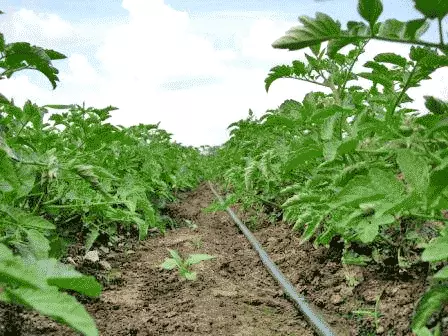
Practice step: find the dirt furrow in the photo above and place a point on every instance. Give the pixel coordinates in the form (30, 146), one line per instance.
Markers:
(233, 295)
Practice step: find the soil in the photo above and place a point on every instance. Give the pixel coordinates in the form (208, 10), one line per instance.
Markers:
(233, 294)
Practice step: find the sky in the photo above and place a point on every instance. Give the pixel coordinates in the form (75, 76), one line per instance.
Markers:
(195, 66)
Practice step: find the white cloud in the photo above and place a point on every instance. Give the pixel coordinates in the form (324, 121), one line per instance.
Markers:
(131, 63)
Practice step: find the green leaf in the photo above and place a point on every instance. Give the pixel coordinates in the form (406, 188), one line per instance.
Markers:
(367, 231)
(442, 274)
(392, 59)
(385, 182)
(280, 71)
(302, 155)
(393, 29)
(330, 126)
(60, 306)
(370, 10)
(378, 78)
(40, 246)
(331, 149)
(27, 220)
(54, 55)
(197, 258)
(438, 181)
(169, 264)
(431, 302)
(175, 255)
(315, 49)
(22, 54)
(423, 332)
(337, 44)
(310, 230)
(192, 276)
(415, 170)
(313, 31)
(415, 29)
(358, 190)
(92, 236)
(64, 276)
(437, 250)
(436, 105)
(348, 146)
(432, 9)
(14, 272)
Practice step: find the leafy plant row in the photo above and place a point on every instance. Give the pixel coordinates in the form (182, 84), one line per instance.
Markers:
(72, 176)
(354, 165)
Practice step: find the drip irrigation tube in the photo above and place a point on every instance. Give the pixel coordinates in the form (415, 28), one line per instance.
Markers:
(313, 317)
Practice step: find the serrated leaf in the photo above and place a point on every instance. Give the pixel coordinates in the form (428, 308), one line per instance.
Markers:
(337, 44)
(436, 105)
(197, 258)
(432, 8)
(311, 228)
(330, 149)
(438, 181)
(27, 220)
(55, 55)
(302, 155)
(415, 29)
(415, 170)
(431, 302)
(40, 246)
(281, 71)
(169, 264)
(370, 10)
(329, 127)
(313, 31)
(192, 276)
(64, 276)
(14, 272)
(92, 236)
(347, 146)
(392, 28)
(437, 250)
(385, 181)
(367, 231)
(20, 54)
(176, 256)
(392, 59)
(382, 79)
(60, 306)
(358, 190)
(442, 274)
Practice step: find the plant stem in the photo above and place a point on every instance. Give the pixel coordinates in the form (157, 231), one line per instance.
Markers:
(441, 31)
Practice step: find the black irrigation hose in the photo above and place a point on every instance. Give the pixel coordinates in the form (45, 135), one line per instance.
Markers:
(316, 321)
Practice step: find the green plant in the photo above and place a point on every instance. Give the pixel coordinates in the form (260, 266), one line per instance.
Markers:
(184, 266)
(353, 164)
(74, 178)
(197, 242)
(36, 284)
(190, 224)
(373, 313)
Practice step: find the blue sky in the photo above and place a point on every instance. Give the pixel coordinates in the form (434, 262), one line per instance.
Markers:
(194, 65)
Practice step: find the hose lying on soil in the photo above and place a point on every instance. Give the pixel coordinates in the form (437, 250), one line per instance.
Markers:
(315, 320)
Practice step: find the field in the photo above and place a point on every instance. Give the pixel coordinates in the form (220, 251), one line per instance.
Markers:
(112, 230)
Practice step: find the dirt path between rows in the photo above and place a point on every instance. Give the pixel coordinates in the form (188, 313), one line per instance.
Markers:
(234, 294)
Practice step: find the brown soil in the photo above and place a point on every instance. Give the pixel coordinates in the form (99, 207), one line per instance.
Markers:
(234, 294)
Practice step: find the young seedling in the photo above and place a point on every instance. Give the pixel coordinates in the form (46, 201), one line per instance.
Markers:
(183, 266)
(190, 224)
(197, 242)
